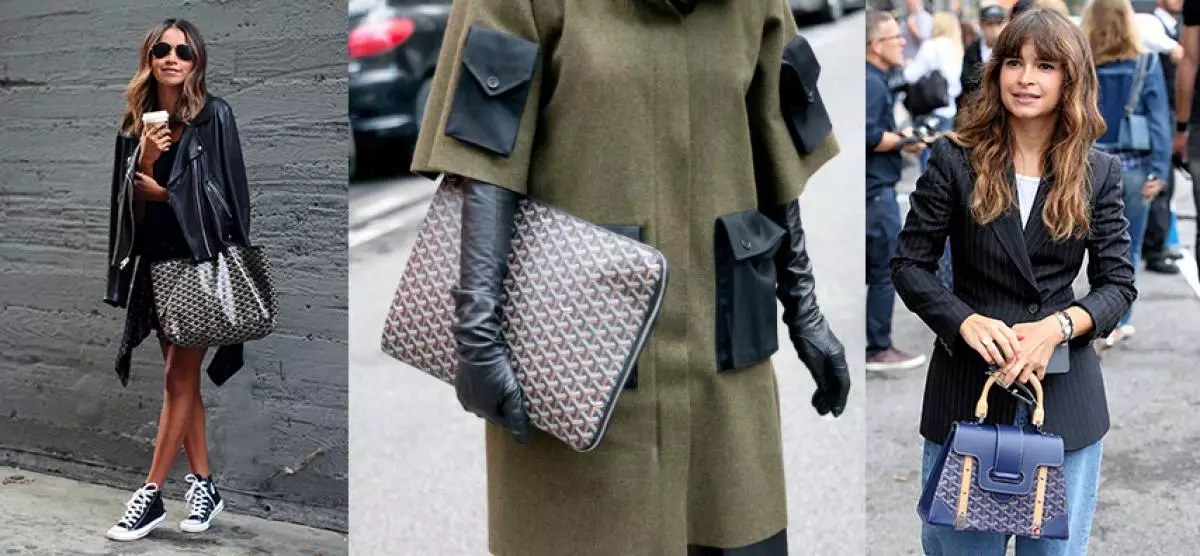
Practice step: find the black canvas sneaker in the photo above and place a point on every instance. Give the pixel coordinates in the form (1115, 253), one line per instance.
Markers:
(204, 503)
(143, 512)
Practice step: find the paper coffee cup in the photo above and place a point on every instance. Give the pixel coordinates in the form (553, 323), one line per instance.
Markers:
(151, 118)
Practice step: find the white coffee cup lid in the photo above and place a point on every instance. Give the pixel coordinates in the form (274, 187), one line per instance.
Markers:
(155, 117)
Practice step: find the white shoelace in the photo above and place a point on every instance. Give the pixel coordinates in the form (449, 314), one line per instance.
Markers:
(198, 497)
(136, 506)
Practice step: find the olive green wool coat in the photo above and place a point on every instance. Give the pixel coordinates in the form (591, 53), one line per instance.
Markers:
(622, 112)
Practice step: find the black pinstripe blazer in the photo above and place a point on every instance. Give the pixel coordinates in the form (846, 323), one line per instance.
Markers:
(1015, 275)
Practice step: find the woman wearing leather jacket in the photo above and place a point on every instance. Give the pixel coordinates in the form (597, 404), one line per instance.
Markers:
(178, 191)
(634, 115)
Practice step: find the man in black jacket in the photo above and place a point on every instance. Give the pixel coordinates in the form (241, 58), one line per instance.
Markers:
(992, 19)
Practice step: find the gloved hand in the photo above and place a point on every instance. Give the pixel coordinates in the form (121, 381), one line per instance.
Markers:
(485, 382)
(814, 341)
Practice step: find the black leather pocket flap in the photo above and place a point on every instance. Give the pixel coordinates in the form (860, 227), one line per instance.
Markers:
(498, 61)
(803, 110)
(749, 233)
(490, 98)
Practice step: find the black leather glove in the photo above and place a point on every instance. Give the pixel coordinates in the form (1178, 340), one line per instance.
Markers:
(485, 381)
(815, 343)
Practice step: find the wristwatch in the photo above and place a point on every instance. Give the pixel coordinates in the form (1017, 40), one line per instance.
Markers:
(1068, 327)
(1181, 127)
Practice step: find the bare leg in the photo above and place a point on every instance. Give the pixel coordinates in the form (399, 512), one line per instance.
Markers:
(194, 442)
(179, 395)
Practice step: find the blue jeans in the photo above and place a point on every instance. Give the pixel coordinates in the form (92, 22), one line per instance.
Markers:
(1137, 212)
(883, 228)
(1081, 469)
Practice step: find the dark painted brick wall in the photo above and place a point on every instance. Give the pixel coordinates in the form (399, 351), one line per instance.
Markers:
(63, 69)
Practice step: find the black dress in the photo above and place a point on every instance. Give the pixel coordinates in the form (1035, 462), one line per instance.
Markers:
(157, 237)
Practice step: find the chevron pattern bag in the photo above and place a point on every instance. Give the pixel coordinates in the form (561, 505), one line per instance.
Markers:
(999, 478)
(578, 305)
(227, 300)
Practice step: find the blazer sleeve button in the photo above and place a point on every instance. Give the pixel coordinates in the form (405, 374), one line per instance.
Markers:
(1033, 308)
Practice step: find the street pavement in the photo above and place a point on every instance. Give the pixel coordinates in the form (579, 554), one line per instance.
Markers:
(1149, 469)
(46, 515)
(416, 458)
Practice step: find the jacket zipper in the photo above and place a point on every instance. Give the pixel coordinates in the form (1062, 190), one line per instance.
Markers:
(200, 217)
(126, 185)
(219, 196)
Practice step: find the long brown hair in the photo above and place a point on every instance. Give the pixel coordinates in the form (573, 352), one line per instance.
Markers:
(1111, 30)
(986, 132)
(141, 95)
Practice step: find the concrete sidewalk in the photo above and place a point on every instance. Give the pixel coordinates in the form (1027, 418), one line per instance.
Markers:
(45, 515)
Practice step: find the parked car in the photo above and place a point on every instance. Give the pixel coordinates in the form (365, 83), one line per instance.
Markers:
(826, 11)
(393, 47)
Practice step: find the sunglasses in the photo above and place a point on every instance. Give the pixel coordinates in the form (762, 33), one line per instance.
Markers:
(162, 50)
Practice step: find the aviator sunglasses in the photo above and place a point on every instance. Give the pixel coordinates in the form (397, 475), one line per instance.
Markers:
(162, 50)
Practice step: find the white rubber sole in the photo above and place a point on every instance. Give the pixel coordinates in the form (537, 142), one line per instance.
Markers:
(188, 526)
(125, 535)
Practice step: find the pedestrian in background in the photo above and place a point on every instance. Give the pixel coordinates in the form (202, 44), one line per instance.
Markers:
(1160, 34)
(1023, 197)
(917, 27)
(943, 53)
(173, 199)
(535, 98)
(992, 19)
(885, 53)
(1185, 145)
(1130, 77)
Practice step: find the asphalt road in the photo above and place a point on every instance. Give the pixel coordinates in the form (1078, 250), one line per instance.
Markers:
(416, 459)
(1149, 468)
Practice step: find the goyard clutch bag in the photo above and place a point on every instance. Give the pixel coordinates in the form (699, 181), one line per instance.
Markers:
(226, 300)
(579, 302)
(999, 478)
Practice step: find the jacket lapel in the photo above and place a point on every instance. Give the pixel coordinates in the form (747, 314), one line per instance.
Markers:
(1008, 231)
(1035, 229)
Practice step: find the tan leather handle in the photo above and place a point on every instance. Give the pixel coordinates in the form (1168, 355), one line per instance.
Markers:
(1039, 412)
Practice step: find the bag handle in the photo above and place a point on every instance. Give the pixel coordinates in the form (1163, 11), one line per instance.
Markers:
(1039, 412)
(1135, 93)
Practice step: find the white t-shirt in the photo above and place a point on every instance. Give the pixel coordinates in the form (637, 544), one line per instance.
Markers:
(1154, 37)
(938, 54)
(1027, 187)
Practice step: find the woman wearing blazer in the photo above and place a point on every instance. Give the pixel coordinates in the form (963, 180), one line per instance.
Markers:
(630, 114)
(1022, 196)
(179, 191)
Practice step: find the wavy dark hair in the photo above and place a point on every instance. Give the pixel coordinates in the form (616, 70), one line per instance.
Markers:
(986, 133)
(140, 94)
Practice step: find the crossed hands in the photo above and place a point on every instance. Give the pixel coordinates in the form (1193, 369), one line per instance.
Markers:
(1019, 351)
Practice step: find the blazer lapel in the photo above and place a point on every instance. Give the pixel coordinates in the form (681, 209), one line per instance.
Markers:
(1035, 229)
(1008, 231)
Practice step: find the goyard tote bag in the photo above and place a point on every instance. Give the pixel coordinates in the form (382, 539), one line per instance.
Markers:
(999, 478)
(226, 300)
(579, 302)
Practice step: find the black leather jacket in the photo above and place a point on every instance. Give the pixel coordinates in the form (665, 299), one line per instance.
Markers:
(207, 191)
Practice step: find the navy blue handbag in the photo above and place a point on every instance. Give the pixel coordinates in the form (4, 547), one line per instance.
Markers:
(999, 479)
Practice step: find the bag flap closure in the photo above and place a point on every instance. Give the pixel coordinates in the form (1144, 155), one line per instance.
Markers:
(1008, 456)
(799, 58)
(749, 233)
(497, 60)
